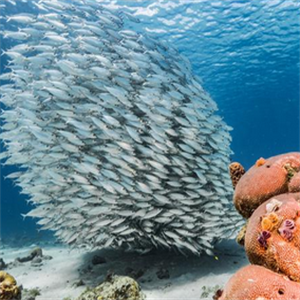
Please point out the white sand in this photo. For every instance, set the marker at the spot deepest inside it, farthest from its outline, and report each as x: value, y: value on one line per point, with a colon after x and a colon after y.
x: 188, y: 276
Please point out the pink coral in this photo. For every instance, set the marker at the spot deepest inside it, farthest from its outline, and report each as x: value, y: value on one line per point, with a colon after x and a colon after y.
x: 257, y: 283
x: 267, y: 178
x: 279, y: 248
x: 269, y: 195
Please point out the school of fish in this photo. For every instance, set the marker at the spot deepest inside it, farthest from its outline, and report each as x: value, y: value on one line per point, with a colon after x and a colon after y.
x: 117, y: 142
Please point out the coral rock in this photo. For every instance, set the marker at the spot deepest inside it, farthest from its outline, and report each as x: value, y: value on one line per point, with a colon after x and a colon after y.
x: 114, y: 288
x: 3, y: 265
x: 36, y: 252
x: 273, y: 235
x: 8, y: 287
x: 98, y: 260
x: 258, y: 283
x: 163, y: 274
x: 30, y: 294
x: 267, y: 178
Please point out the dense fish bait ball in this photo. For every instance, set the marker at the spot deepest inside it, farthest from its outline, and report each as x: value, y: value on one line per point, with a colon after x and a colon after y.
x: 118, y: 143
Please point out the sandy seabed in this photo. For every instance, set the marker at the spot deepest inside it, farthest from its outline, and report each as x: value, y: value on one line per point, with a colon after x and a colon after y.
x: 192, y: 278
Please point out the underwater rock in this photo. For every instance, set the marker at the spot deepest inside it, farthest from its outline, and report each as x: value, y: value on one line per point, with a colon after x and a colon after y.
x: 163, y: 274
x: 8, y: 287
x: 47, y: 257
x: 114, y: 288
x: 119, y: 144
x: 97, y: 260
x: 14, y: 264
x: 136, y: 274
x: 30, y: 294
x: 37, y: 262
x: 37, y: 252
x: 78, y: 283
x: 257, y: 283
x: 273, y: 235
x: 267, y: 178
x: 3, y: 265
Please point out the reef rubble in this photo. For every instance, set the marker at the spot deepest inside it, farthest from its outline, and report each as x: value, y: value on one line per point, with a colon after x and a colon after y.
x: 114, y: 288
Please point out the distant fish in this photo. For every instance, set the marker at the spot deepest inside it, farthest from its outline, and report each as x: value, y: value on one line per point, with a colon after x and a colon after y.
x: 120, y: 144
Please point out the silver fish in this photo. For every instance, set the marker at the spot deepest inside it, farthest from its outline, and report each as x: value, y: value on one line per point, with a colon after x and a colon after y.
x: 120, y: 143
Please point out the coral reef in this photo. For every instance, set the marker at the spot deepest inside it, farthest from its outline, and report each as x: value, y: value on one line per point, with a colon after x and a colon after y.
x: 268, y: 195
x: 267, y: 178
x: 273, y: 235
x: 36, y: 252
x: 236, y: 171
x: 8, y: 287
x: 114, y: 288
x: 257, y: 283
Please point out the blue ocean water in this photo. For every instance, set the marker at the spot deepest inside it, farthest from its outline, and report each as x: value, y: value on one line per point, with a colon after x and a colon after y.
x: 245, y: 52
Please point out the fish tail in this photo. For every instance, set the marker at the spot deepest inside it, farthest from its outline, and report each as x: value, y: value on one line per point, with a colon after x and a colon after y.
x: 24, y: 216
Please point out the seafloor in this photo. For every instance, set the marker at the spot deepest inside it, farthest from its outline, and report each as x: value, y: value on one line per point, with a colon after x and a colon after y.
x: 161, y: 275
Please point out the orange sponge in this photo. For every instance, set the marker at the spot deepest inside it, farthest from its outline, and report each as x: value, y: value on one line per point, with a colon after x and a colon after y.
x: 267, y: 178
x: 272, y: 238
x: 257, y: 283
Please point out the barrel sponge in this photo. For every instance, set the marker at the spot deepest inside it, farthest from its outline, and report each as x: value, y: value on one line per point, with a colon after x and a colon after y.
x: 257, y: 283
x: 273, y: 235
x: 8, y: 287
x: 267, y: 178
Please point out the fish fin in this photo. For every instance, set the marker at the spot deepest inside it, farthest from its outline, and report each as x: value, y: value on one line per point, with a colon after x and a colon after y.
x: 24, y: 216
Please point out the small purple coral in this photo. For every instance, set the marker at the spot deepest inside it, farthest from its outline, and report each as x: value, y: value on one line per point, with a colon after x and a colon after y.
x: 286, y: 229
x: 289, y: 224
x: 263, y: 237
x: 287, y: 234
